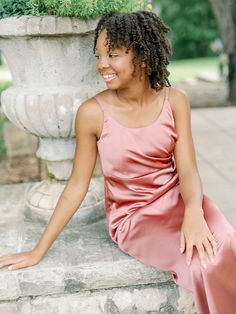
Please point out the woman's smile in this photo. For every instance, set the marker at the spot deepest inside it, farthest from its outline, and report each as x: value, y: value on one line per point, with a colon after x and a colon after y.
x: 109, y: 77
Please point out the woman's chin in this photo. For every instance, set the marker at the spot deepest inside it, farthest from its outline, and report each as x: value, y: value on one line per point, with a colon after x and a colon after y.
x: 112, y: 86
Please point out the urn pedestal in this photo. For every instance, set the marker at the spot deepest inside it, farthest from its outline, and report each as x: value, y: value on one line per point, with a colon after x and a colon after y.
x: 53, y: 72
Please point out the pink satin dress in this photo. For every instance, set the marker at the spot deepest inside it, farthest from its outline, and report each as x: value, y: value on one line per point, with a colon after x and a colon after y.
x: 144, y: 209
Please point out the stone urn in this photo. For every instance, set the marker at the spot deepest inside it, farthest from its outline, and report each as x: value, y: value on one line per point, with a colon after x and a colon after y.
x: 53, y: 72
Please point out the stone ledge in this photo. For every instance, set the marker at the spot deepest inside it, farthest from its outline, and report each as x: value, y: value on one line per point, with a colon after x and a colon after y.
x: 82, y: 262
x: 85, y: 259
x: 45, y: 26
x: 203, y: 94
x: 141, y: 299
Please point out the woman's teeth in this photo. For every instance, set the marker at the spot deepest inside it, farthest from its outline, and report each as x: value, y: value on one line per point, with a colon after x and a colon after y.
x: 109, y: 77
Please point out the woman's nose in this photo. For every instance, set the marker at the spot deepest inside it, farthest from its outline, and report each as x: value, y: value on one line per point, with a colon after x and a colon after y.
x: 103, y: 62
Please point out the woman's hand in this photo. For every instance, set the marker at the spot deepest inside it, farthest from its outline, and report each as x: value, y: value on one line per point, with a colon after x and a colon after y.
x: 20, y: 260
x: 195, y: 233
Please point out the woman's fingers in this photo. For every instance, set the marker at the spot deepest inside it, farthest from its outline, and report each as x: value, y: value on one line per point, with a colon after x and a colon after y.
x: 189, y: 253
x: 19, y: 260
x: 205, y: 247
x: 7, y: 256
x: 10, y: 261
x: 213, y: 242
x: 19, y: 265
x: 182, y: 242
x: 202, y: 254
x: 209, y: 249
x: 195, y: 234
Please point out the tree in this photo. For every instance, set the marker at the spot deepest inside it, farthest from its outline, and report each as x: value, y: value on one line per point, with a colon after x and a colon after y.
x: 225, y: 12
x: 193, y: 26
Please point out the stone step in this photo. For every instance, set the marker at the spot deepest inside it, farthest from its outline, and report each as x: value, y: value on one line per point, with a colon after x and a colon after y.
x: 83, y: 272
x: 205, y: 94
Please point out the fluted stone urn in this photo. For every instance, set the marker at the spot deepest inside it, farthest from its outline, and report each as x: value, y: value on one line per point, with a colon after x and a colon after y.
x: 53, y: 72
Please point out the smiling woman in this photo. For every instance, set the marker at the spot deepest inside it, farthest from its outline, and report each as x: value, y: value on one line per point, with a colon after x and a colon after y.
x: 152, y: 54
x: 155, y: 208
x: 115, y: 66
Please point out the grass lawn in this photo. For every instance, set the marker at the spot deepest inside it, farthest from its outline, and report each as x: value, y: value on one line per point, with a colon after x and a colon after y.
x: 182, y: 69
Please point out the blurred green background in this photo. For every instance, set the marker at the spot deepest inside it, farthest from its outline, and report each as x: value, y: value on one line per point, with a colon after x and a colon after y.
x: 193, y: 26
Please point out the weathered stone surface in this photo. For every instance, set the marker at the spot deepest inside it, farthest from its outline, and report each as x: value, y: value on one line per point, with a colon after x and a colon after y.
x: 83, y: 272
x: 151, y: 299
x: 84, y: 257
x: 8, y: 308
x: 205, y: 93
x: 22, y: 169
x: 18, y: 142
x: 11, y: 199
x: 46, y: 26
x: 43, y: 196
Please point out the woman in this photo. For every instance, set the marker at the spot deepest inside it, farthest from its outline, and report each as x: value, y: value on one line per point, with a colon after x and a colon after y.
x: 155, y: 207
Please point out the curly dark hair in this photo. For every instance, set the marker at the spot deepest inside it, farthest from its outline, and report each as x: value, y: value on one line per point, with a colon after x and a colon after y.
x: 145, y: 33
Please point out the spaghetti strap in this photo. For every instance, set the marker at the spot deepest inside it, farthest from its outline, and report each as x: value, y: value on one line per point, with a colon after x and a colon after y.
x: 166, y: 93
x: 100, y: 102
x: 168, y: 106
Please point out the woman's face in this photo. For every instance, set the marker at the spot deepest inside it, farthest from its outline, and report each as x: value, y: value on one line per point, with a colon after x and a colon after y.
x: 116, y: 66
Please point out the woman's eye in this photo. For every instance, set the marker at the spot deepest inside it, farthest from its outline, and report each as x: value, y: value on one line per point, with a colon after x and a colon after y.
x: 113, y: 55
x: 109, y: 56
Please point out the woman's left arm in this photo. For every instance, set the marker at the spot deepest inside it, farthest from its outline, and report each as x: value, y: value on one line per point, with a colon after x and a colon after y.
x: 194, y: 231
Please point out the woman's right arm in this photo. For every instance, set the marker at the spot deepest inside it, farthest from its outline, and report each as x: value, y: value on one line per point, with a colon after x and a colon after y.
x: 74, y: 192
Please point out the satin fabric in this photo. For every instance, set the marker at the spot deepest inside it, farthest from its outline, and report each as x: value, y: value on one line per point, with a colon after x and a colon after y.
x: 144, y: 209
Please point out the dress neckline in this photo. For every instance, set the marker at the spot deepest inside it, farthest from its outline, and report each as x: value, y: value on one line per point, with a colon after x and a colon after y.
x: 145, y: 126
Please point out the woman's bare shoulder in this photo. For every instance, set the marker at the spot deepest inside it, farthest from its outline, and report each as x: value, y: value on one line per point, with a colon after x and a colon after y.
x: 179, y: 100
x: 89, y: 115
x: 88, y: 108
x: 91, y: 107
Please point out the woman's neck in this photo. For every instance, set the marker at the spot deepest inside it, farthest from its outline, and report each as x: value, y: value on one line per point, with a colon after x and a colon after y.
x: 135, y: 96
